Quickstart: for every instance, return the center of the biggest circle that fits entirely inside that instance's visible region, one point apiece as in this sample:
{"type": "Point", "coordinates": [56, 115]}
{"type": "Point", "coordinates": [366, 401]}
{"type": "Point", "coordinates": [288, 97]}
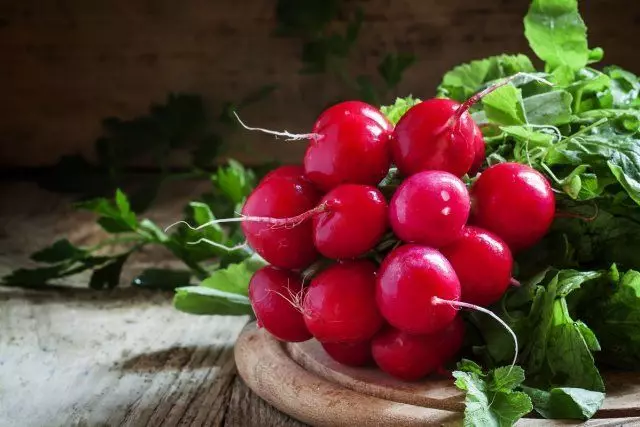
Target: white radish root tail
{"type": "Point", "coordinates": [289, 136]}
{"type": "Point", "coordinates": [296, 299]}
{"type": "Point", "coordinates": [438, 301]}
{"type": "Point", "coordinates": [219, 245]}
{"type": "Point", "coordinates": [290, 222]}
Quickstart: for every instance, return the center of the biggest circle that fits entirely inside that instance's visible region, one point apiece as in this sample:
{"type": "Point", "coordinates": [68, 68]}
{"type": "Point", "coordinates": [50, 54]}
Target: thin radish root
{"type": "Point", "coordinates": [438, 301]}
{"type": "Point", "coordinates": [514, 282]}
{"type": "Point", "coordinates": [289, 136]}
{"type": "Point", "coordinates": [290, 222]}
{"type": "Point", "coordinates": [296, 299]}
{"type": "Point", "coordinates": [219, 245]}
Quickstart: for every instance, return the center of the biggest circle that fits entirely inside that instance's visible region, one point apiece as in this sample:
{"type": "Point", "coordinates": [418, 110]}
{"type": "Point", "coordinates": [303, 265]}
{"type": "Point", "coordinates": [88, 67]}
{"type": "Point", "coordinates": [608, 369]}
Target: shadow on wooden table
{"type": "Point", "coordinates": [177, 358]}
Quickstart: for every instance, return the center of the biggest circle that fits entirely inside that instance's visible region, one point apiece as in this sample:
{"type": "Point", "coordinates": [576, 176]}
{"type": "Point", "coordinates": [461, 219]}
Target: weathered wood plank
{"type": "Point", "coordinates": [248, 410]}
{"type": "Point", "coordinates": [78, 357]}
{"type": "Point", "coordinates": [128, 359]}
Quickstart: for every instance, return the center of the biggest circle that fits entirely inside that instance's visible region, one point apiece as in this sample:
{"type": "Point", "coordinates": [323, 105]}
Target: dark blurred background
{"type": "Point", "coordinates": [66, 65]}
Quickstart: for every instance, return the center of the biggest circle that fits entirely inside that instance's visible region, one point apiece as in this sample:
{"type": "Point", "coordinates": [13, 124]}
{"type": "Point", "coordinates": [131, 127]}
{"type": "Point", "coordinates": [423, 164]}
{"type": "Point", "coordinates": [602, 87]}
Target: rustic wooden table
{"type": "Point", "coordinates": [124, 357]}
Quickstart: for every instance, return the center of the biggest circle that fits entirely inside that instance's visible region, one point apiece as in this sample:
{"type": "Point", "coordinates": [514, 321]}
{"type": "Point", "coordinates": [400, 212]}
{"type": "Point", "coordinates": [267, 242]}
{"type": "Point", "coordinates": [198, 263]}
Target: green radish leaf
{"type": "Point", "coordinates": [466, 79]}
{"type": "Point", "coordinates": [611, 147]}
{"type": "Point", "coordinates": [504, 106]}
{"type": "Point", "coordinates": [209, 301]}
{"type": "Point", "coordinates": [565, 402]}
{"type": "Point", "coordinates": [567, 352]}
{"type": "Point", "coordinates": [557, 33]}
{"type": "Point", "coordinates": [395, 111]}
{"type": "Point", "coordinates": [550, 108]}
{"type": "Point", "coordinates": [625, 87]}
{"type": "Point", "coordinates": [61, 250]}
{"type": "Point", "coordinates": [234, 279]}
{"type": "Point", "coordinates": [224, 292]}
{"type": "Point", "coordinates": [491, 399]}
{"type": "Point", "coordinates": [532, 137]}
{"type": "Point", "coordinates": [615, 319]}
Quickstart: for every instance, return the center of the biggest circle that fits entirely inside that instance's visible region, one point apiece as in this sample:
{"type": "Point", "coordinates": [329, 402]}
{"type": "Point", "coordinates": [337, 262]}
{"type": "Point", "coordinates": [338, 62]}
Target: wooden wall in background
{"type": "Point", "coordinates": [66, 64]}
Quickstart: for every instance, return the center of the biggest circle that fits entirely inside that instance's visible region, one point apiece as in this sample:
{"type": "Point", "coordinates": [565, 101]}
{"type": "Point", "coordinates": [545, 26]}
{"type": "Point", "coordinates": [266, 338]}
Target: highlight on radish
{"type": "Point", "coordinates": [431, 208]}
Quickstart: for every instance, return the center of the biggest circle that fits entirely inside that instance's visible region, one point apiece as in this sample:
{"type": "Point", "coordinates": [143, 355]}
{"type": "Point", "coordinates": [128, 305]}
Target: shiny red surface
{"type": "Point", "coordinates": [483, 263]}
{"type": "Point", "coordinates": [352, 147]}
{"type": "Point", "coordinates": [411, 357]}
{"type": "Point", "coordinates": [515, 202]}
{"type": "Point", "coordinates": [430, 208]}
{"type": "Point", "coordinates": [480, 150]}
{"type": "Point", "coordinates": [340, 303]}
{"type": "Point", "coordinates": [282, 195]}
{"type": "Point", "coordinates": [409, 277]}
{"type": "Point", "coordinates": [350, 354]}
{"type": "Point", "coordinates": [423, 140]}
{"type": "Point", "coordinates": [355, 221]}
{"type": "Point", "coordinates": [270, 290]}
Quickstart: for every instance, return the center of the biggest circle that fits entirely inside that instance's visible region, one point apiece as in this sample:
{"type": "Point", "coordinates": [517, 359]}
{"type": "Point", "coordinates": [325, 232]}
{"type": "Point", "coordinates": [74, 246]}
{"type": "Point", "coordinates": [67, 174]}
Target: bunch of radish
{"type": "Point", "coordinates": [320, 226]}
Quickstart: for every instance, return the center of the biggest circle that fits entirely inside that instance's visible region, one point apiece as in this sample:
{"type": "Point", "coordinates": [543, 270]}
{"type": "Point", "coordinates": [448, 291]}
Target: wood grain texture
{"type": "Point", "coordinates": [67, 64]}
{"type": "Point", "coordinates": [125, 357]}
{"type": "Point", "coordinates": [298, 378]}
{"type": "Point", "coordinates": [268, 370]}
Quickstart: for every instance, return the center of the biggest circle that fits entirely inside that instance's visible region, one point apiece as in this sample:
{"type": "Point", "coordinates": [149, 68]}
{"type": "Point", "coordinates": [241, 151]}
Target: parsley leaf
{"type": "Point", "coordinates": [491, 399]}
{"type": "Point", "coordinates": [224, 292]}
{"type": "Point", "coordinates": [565, 402]}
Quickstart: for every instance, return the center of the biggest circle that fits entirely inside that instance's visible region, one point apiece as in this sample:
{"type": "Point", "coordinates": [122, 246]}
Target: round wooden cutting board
{"type": "Point", "coordinates": [301, 380]}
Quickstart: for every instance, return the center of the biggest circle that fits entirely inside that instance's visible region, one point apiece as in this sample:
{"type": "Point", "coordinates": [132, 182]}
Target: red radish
{"type": "Point", "coordinates": [515, 202]}
{"type": "Point", "coordinates": [408, 280]}
{"type": "Point", "coordinates": [281, 195]}
{"type": "Point", "coordinates": [483, 263]}
{"type": "Point", "coordinates": [434, 135]}
{"type": "Point", "coordinates": [430, 208]}
{"type": "Point", "coordinates": [340, 304]}
{"type": "Point", "coordinates": [347, 222]}
{"type": "Point", "coordinates": [350, 145]}
{"type": "Point", "coordinates": [270, 292]}
{"type": "Point", "coordinates": [356, 108]}
{"type": "Point", "coordinates": [438, 134]}
{"type": "Point", "coordinates": [293, 172]}
{"type": "Point", "coordinates": [350, 354]}
{"type": "Point", "coordinates": [480, 150]}
{"type": "Point", "coordinates": [354, 221]}
{"type": "Point", "coordinates": [411, 357]}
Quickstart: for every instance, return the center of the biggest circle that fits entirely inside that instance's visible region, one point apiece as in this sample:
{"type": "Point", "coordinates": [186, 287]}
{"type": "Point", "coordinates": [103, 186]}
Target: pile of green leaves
{"type": "Point", "coordinates": [578, 309]}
